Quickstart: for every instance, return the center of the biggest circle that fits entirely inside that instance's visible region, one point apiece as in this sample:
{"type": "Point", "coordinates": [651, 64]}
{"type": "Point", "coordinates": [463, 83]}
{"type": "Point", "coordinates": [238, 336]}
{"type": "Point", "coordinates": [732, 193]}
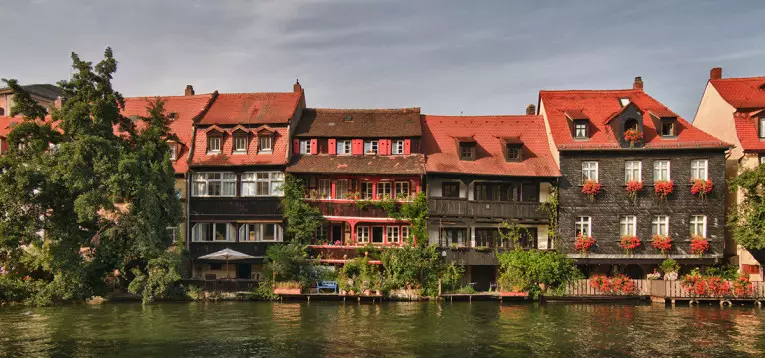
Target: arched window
{"type": "Point", "coordinates": [631, 124]}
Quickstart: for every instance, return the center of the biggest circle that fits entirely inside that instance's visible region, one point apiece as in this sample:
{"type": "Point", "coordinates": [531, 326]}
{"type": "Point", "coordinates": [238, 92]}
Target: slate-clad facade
{"type": "Point", "coordinates": [588, 136]}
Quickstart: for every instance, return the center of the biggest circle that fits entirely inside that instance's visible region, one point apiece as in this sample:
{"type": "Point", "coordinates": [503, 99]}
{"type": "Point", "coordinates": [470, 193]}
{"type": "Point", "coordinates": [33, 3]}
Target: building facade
{"type": "Point", "coordinates": [733, 109]}
{"type": "Point", "coordinates": [350, 160]}
{"type": "Point", "coordinates": [484, 174]}
{"type": "Point", "coordinates": [606, 141]}
{"type": "Point", "coordinates": [240, 149]}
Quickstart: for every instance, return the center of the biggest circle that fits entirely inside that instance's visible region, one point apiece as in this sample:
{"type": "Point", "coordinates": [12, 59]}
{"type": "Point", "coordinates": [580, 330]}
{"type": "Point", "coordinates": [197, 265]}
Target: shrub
{"type": "Point", "coordinates": [669, 265]}
{"type": "Point", "coordinates": [161, 280]}
{"type": "Point", "coordinates": [525, 270]}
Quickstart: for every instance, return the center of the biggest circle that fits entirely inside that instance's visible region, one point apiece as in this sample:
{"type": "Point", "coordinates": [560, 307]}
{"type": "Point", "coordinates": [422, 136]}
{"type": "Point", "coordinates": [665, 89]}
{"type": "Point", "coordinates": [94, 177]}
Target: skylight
{"type": "Point", "coordinates": [624, 101]}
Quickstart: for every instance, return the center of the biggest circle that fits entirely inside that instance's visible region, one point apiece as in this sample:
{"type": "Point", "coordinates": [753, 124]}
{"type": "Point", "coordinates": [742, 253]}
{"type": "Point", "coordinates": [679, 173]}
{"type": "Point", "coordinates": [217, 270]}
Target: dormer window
{"type": "Point", "coordinates": [305, 146]}
{"type": "Point", "coordinates": [762, 127]}
{"type": "Point", "coordinates": [398, 147]}
{"type": "Point", "coordinates": [513, 153]}
{"type": "Point", "coordinates": [343, 147]}
{"type": "Point", "coordinates": [370, 147]}
{"type": "Point", "coordinates": [213, 144]}
{"type": "Point", "coordinates": [467, 151]}
{"type": "Point", "coordinates": [668, 127]}
{"type": "Point", "coordinates": [173, 150]}
{"type": "Point", "coordinates": [240, 144]}
{"type": "Point", "coordinates": [265, 143]}
{"type": "Point", "coordinates": [580, 129]}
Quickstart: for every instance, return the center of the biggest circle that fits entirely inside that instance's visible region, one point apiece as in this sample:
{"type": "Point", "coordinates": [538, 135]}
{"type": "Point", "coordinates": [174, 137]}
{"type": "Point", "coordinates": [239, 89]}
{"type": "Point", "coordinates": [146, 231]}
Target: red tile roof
{"type": "Point", "coordinates": [6, 125]}
{"type": "Point", "coordinates": [251, 108]}
{"type": "Point", "coordinates": [278, 156]}
{"type": "Point", "coordinates": [412, 164]}
{"type": "Point", "coordinates": [744, 92]}
{"type": "Point", "coordinates": [359, 123]}
{"type": "Point", "coordinates": [490, 133]}
{"type": "Point", "coordinates": [601, 105]}
{"type": "Point", "coordinates": [746, 129]}
{"type": "Point", "coordinates": [185, 108]}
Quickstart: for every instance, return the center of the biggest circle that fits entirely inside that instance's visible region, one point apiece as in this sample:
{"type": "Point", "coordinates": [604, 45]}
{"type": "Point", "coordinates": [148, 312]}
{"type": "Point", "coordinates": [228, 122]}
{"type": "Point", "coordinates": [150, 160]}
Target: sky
{"type": "Point", "coordinates": [447, 57]}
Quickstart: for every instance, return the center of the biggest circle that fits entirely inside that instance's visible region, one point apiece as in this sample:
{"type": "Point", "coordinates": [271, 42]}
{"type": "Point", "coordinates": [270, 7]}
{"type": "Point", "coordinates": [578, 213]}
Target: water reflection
{"type": "Point", "coordinates": [336, 329]}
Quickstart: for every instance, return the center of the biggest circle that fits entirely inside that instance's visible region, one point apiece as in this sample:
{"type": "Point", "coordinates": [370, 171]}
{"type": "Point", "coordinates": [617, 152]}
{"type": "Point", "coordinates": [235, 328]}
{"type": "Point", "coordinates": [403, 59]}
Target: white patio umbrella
{"type": "Point", "coordinates": [226, 254]}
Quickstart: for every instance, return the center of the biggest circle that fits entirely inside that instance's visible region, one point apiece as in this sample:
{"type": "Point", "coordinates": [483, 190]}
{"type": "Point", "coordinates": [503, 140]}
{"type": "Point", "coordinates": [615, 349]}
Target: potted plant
{"type": "Point", "coordinates": [663, 188]}
{"type": "Point", "coordinates": [699, 245]}
{"type": "Point", "coordinates": [583, 243]}
{"type": "Point", "coordinates": [633, 135]}
{"type": "Point", "coordinates": [634, 187]}
{"type": "Point", "coordinates": [701, 188]}
{"type": "Point", "coordinates": [661, 243]}
{"type": "Point", "coordinates": [669, 267]}
{"type": "Point", "coordinates": [591, 188]}
{"type": "Point", "coordinates": [629, 243]}
{"type": "Point", "coordinates": [655, 275]}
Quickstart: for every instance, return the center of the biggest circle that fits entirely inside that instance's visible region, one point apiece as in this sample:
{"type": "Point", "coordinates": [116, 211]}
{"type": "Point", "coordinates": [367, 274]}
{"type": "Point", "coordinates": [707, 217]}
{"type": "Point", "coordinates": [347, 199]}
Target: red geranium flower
{"type": "Point", "coordinates": [633, 135]}
{"type": "Point", "coordinates": [629, 243]}
{"type": "Point", "coordinates": [584, 243]}
{"type": "Point", "coordinates": [591, 188]}
{"type": "Point", "coordinates": [663, 188]}
{"type": "Point", "coordinates": [701, 187]}
{"type": "Point", "coordinates": [661, 243]}
{"type": "Point", "coordinates": [634, 187]}
{"type": "Point", "coordinates": [699, 245]}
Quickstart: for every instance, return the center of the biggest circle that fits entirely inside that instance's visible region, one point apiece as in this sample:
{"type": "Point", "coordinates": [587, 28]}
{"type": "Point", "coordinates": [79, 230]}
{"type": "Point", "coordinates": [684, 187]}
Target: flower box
{"type": "Point", "coordinates": [701, 188]}
{"type": "Point", "coordinates": [699, 245]}
{"type": "Point", "coordinates": [633, 136]}
{"type": "Point", "coordinates": [663, 188]}
{"type": "Point", "coordinates": [634, 187]}
{"type": "Point", "coordinates": [661, 243]}
{"type": "Point", "coordinates": [591, 188]}
{"type": "Point", "coordinates": [629, 243]}
{"type": "Point", "coordinates": [583, 243]}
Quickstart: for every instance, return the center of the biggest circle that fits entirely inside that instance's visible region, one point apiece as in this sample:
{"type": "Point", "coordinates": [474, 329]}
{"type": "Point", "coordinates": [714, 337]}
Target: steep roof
{"type": "Point", "coordinates": [184, 108]}
{"type": "Point", "coordinates": [226, 157]}
{"type": "Point", "coordinates": [746, 130]}
{"type": "Point", "coordinates": [359, 123]}
{"type": "Point", "coordinates": [743, 92]}
{"type": "Point", "coordinates": [252, 108]}
{"type": "Point", "coordinates": [413, 164]}
{"type": "Point", "coordinates": [44, 90]}
{"type": "Point", "coordinates": [6, 125]}
{"type": "Point", "coordinates": [602, 105]}
{"type": "Point", "coordinates": [491, 133]}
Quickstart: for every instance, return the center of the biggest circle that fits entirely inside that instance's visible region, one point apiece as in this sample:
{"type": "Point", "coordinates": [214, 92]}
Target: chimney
{"type": "Point", "coordinates": [715, 73]}
{"type": "Point", "coordinates": [638, 84]}
{"type": "Point", "coordinates": [297, 88]}
{"type": "Point", "coordinates": [531, 110]}
{"type": "Point", "coordinates": [58, 102]}
{"type": "Point", "coordinates": [189, 90]}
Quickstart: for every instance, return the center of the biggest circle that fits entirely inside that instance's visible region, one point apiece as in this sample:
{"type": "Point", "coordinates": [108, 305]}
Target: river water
{"type": "Point", "coordinates": [333, 329]}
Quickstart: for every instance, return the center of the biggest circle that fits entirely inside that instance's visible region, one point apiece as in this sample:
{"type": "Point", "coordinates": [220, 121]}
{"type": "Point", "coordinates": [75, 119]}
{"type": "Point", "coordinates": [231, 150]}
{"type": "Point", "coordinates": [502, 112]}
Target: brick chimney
{"type": "Point", "coordinates": [715, 73]}
{"type": "Point", "coordinates": [58, 102]}
{"type": "Point", "coordinates": [531, 110]}
{"type": "Point", "coordinates": [638, 84]}
{"type": "Point", "coordinates": [297, 88]}
{"type": "Point", "coordinates": [189, 90]}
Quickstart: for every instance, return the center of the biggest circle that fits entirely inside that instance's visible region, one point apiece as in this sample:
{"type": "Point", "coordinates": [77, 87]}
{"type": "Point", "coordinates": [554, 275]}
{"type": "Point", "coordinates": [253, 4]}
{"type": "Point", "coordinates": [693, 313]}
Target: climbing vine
{"type": "Point", "coordinates": [302, 218]}
{"type": "Point", "coordinates": [551, 207]}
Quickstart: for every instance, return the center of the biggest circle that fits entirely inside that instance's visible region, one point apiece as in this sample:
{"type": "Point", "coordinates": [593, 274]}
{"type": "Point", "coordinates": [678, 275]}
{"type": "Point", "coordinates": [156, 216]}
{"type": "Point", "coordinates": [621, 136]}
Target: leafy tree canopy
{"type": "Point", "coordinates": [88, 199]}
{"type": "Point", "coordinates": [747, 220]}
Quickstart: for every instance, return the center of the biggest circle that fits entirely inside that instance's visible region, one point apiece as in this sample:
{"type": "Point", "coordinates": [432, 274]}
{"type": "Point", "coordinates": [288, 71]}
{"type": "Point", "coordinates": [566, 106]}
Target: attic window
{"type": "Point", "coordinates": [624, 101]}
{"type": "Point", "coordinates": [265, 143]}
{"type": "Point", "coordinates": [467, 150]}
{"type": "Point", "coordinates": [668, 127]}
{"type": "Point", "coordinates": [513, 153]}
{"type": "Point", "coordinates": [213, 144]}
{"type": "Point", "coordinates": [173, 150]}
{"type": "Point", "coordinates": [240, 143]}
{"type": "Point", "coordinates": [580, 129]}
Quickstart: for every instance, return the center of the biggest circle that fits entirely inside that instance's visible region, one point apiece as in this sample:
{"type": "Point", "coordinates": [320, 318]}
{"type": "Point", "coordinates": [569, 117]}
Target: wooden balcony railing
{"type": "Point", "coordinates": [349, 208]}
{"type": "Point", "coordinates": [485, 209]}
{"type": "Point", "coordinates": [229, 207]}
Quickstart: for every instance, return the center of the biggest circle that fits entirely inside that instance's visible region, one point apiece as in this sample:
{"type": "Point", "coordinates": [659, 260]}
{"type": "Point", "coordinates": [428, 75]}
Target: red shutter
{"type": "Point", "coordinates": [387, 146]}
{"type": "Point", "coordinates": [332, 144]}
{"type": "Point", "coordinates": [357, 147]}
{"type": "Point", "coordinates": [296, 146]}
{"type": "Point", "coordinates": [314, 146]}
{"type": "Point", "coordinates": [407, 146]}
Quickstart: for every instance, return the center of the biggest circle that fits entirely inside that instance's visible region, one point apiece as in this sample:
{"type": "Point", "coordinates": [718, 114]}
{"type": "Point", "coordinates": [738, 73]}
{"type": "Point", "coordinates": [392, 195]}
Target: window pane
{"type": "Point", "coordinates": [262, 188]}
{"type": "Point", "coordinates": [264, 143]}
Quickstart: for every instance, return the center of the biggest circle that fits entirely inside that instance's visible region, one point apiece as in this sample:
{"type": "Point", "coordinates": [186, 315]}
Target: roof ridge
{"type": "Point", "coordinates": [485, 116]}
{"type": "Point", "coordinates": [196, 96]}
{"type": "Point", "coordinates": [364, 109]}
{"type": "Point", "coordinates": [251, 93]}
{"type": "Point", "coordinates": [590, 90]}
{"type": "Point", "coordinates": [740, 78]}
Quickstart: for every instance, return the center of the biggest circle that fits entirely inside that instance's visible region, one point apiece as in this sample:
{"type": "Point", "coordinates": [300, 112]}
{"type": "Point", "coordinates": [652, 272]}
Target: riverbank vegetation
{"type": "Point", "coordinates": [747, 219]}
{"type": "Point", "coordinates": [86, 209]}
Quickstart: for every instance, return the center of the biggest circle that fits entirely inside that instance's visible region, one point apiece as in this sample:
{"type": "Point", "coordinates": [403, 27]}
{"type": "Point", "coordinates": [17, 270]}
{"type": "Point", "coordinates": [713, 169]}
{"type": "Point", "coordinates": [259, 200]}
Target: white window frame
{"type": "Point", "coordinates": [251, 181]}
{"type": "Point", "coordinates": [344, 147]}
{"type": "Point", "coordinates": [363, 234]}
{"type": "Point", "coordinates": [761, 130]}
{"type": "Point", "coordinates": [198, 232]}
{"type": "Point", "coordinates": [265, 139]}
{"type": "Point", "coordinates": [173, 150]}
{"type": "Point", "coordinates": [588, 169]}
{"type": "Point", "coordinates": [383, 188]}
{"type": "Point", "coordinates": [305, 146]}
{"type": "Point", "coordinates": [660, 225]}
{"type": "Point", "coordinates": [369, 192]}
{"type": "Point", "coordinates": [657, 164]}
{"type": "Point", "coordinates": [240, 139]}
{"type": "Point", "coordinates": [341, 188]}
{"type": "Point", "coordinates": [397, 147]}
{"type": "Point", "coordinates": [762, 159]}
{"type": "Point", "coordinates": [695, 222]}
{"type": "Point", "coordinates": [320, 189]}
{"type": "Point", "coordinates": [697, 165]}
{"type": "Point", "coordinates": [201, 183]}
{"type": "Point", "coordinates": [277, 232]}
{"type": "Point", "coordinates": [582, 223]}
{"type": "Point", "coordinates": [214, 143]}
{"type": "Point", "coordinates": [399, 185]}
{"type": "Point", "coordinates": [260, 232]}
{"type": "Point", "coordinates": [394, 234]}
{"type": "Point", "coordinates": [580, 126]}
{"type": "Point", "coordinates": [628, 225]}
{"type": "Point", "coordinates": [371, 146]}
{"type": "Point", "coordinates": [629, 171]}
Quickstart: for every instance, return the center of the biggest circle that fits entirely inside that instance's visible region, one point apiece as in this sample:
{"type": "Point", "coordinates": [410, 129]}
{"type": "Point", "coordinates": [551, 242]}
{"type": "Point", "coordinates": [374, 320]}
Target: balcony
{"type": "Point", "coordinates": [335, 207]}
{"type": "Point", "coordinates": [220, 208]}
{"type": "Point", "coordinates": [485, 209]}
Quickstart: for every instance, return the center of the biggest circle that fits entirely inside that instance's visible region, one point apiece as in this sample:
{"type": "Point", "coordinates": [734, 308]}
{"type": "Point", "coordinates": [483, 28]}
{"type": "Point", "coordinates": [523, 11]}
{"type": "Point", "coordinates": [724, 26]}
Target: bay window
{"type": "Point", "coordinates": [262, 184]}
{"type": "Point", "coordinates": [214, 184]}
{"type": "Point", "coordinates": [211, 232]}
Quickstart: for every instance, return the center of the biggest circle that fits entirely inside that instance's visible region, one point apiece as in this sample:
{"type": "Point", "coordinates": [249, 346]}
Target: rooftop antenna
{"type": "Point", "coordinates": [460, 113]}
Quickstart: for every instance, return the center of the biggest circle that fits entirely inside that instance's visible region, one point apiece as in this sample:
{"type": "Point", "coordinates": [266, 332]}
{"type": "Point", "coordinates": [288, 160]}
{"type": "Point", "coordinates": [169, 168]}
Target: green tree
{"type": "Point", "coordinates": [302, 218]}
{"type": "Point", "coordinates": [747, 220]}
{"type": "Point", "coordinates": [525, 270]}
{"type": "Point", "coordinates": [95, 200]}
